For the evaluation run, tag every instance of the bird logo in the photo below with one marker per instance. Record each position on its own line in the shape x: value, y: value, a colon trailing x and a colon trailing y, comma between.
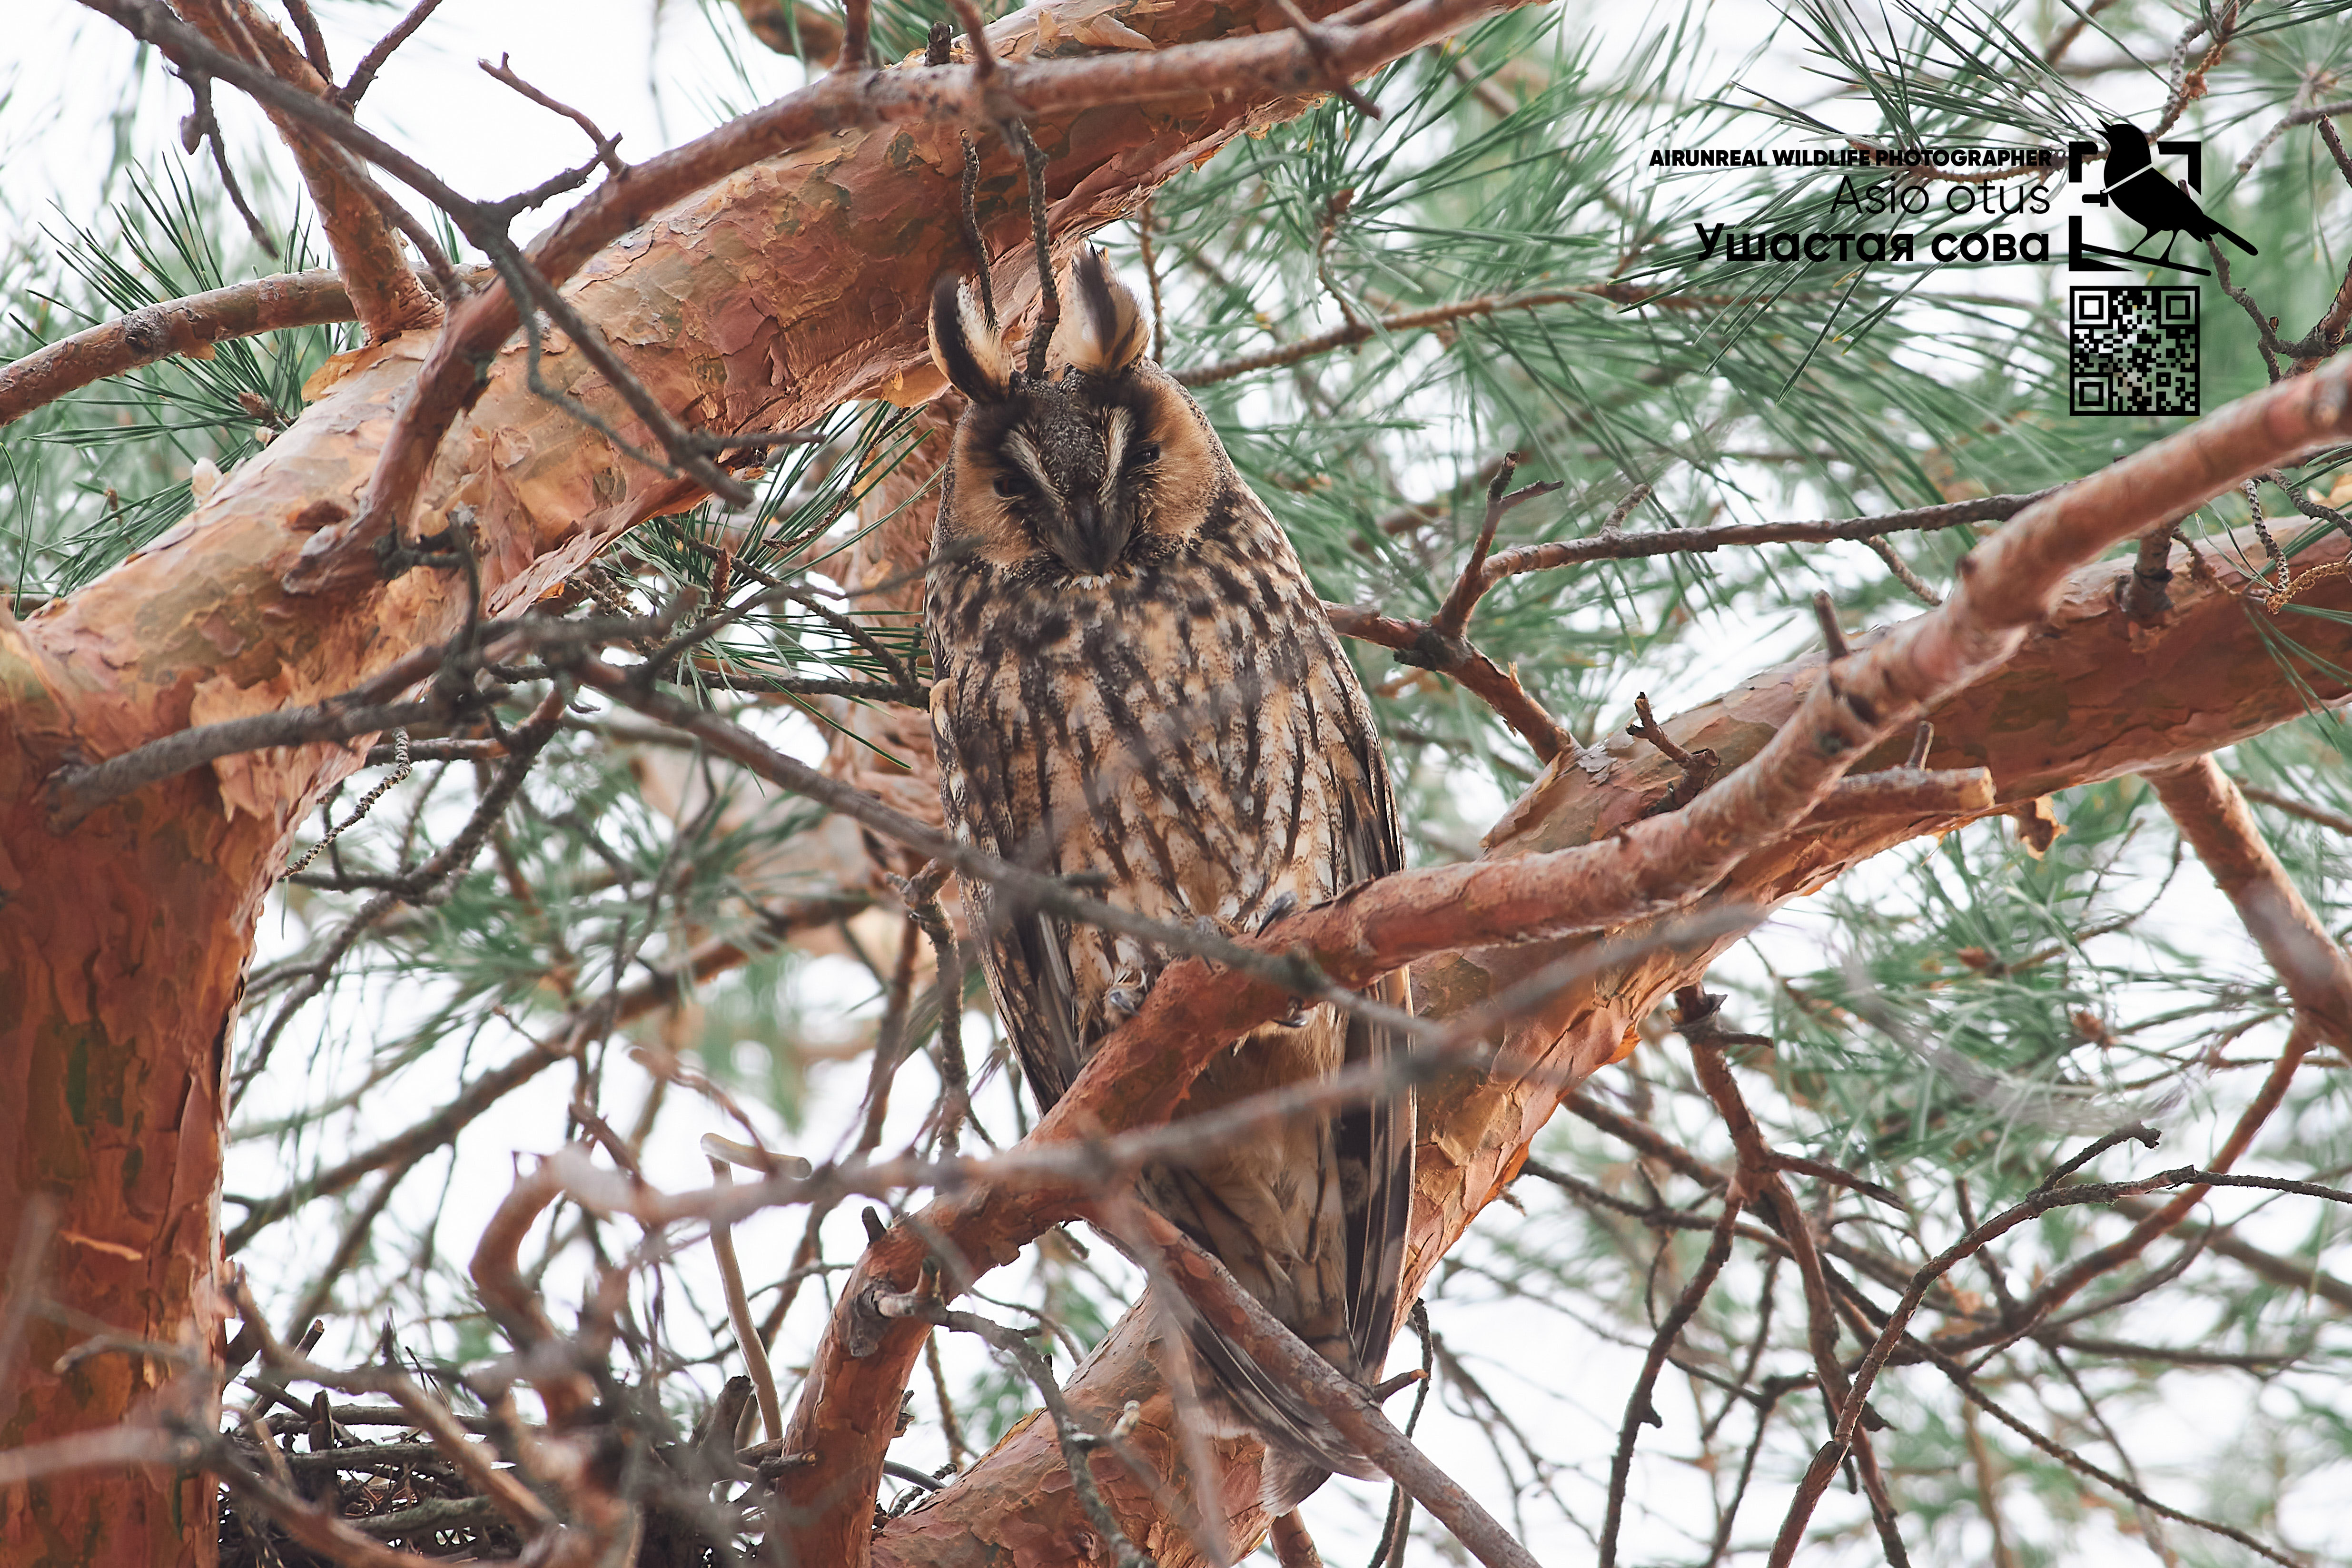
x: 2136, y: 189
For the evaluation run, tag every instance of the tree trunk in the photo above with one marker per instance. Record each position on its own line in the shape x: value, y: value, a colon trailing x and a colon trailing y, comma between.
x: 121, y: 952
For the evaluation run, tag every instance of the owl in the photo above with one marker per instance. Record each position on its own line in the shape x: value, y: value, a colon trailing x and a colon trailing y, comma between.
x: 1136, y: 682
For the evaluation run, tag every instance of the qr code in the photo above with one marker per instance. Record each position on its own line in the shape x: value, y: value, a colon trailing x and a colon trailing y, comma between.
x: 2132, y: 350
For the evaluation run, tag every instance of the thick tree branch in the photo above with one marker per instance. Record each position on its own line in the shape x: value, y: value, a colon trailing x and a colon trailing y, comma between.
x: 2211, y: 813
x: 2208, y: 658
x: 186, y: 326
x: 383, y: 287
x: 1645, y: 867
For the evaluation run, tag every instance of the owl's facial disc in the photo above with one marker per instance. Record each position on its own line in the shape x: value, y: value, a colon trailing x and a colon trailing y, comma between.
x: 1087, y: 476
x: 1067, y: 474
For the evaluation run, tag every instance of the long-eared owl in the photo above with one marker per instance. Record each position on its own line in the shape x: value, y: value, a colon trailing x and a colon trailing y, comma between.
x: 1136, y: 682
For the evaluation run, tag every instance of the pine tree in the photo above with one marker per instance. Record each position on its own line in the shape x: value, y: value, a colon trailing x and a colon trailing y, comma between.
x: 439, y: 729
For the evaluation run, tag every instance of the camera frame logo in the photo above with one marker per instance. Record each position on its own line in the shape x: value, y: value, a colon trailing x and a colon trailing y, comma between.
x: 2134, y: 348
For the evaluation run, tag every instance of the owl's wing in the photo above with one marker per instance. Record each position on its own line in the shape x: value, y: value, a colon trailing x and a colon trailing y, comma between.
x: 1037, y: 1000
x: 1372, y: 1146
x: 1025, y: 953
x: 1373, y: 1142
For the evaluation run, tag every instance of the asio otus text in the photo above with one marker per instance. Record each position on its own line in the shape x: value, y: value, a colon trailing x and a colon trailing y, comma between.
x: 1136, y: 682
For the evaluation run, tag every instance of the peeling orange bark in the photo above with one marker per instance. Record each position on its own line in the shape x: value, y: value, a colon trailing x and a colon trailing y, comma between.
x: 121, y: 954
x: 2092, y: 695
x: 761, y: 302
x: 387, y: 293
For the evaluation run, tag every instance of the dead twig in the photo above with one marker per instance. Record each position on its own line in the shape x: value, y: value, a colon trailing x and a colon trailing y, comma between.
x: 363, y: 74
x: 856, y: 36
x: 1612, y: 544
x: 1697, y: 767
x: 200, y: 128
x: 1245, y: 1322
x: 1078, y: 1444
x: 1826, y: 1459
x: 1698, y: 1019
x: 1049, y: 298
x: 1499, y: 688
x: 2334, y: 820
x: 1638, y: 1410
x: 605, y: 144
x: 1442, y: 643
x: 747, y: 1341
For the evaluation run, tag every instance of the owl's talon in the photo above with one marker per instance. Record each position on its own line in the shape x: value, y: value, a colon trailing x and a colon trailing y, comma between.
x: 1282, y: 904
x: 1123, y: 1001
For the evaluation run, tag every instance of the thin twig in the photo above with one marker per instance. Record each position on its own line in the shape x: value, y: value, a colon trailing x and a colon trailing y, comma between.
x: 1246, y: 1322
x: 1697, y: 767
x: 1303, y: 26
x: 1699, y: 1021
x: 201, y: 129
x: 314, y: 43
x: 856, y: 36
x: 975, y: 245
x: 363, y: 74
x: 1638, y: 1410
x: 1610, y: 544
x: 1077, y: 1443
x: 748, y: 1342
x: 2334, y: 820
x: 1049, y: 299
x: 1825, y: 1463
x: 603, y: 144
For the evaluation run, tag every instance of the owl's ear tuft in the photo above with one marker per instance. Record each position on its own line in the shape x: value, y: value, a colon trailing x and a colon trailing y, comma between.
x: 966, y: 345
x: 1101, y: 330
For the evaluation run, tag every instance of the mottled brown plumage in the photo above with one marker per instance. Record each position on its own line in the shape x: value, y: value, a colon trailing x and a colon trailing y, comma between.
x: 1137, y: 681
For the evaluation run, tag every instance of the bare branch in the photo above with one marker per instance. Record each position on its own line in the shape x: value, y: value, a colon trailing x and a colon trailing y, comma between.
x: 1639, y: 1411
x: 748, y: 1342
x: 603, y: 144
x: 1243, y: 1320
x: 2335, y: 820
x: 363, y: 74
x: 2213, y: 817
x: 1824, y: 1467
x: 186, y: 326
x: 353, y: 209
x: 1362, y: 329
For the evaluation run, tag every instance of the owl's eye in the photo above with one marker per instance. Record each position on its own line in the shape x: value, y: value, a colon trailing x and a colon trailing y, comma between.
x: 1012, y: 487
x: 1144, y: 452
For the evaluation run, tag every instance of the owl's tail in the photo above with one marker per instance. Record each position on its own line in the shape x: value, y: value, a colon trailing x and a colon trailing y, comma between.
x: 1309, y: 1218
x: 1302, y: 1449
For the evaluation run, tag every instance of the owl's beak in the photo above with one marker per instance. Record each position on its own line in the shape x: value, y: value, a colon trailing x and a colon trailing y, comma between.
x: 1093, y: 541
